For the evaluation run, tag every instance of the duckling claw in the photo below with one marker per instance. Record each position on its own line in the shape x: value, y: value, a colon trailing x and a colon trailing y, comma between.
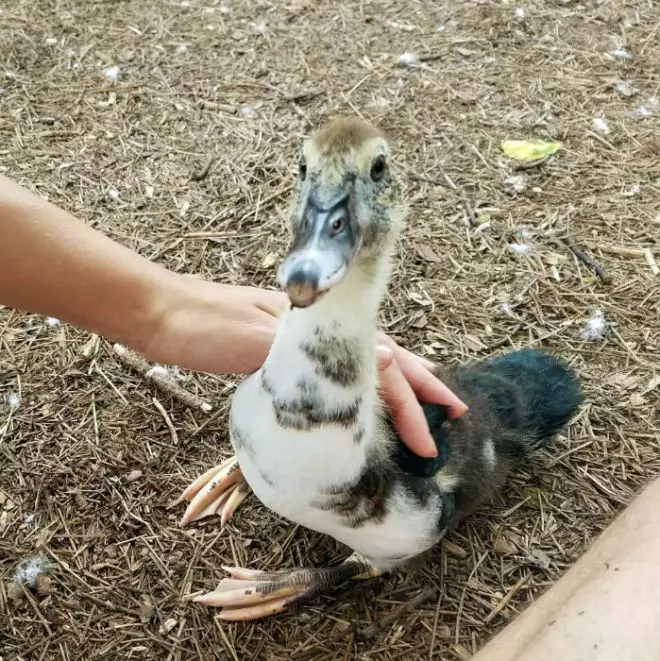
x: 220, y: 489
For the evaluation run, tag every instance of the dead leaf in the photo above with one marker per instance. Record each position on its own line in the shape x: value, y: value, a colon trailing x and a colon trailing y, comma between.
x: 420, y: 322
x: 427, y: 253
x: 473, y: 343
x: 15, y: 594
x: 462, y: 652
x: 146, y: 611
x: 504, y: 547
x: 653, y: 383
x: 540, y: 558
x: 465, y: 52
x: 419, y: 299
x: 624, y: 381
x: 534, y: 496
x: 553, y: 259
x: 269, y: 260
x: 43, y: 585
x: 454, y: 549
x: 637, y: 400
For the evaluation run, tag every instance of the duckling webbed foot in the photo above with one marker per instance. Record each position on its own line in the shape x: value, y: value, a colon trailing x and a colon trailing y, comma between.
x: 218, y: 491
x: 251, y: 595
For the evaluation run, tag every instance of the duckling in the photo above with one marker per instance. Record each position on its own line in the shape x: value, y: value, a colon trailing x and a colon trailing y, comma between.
x: 311, y: 436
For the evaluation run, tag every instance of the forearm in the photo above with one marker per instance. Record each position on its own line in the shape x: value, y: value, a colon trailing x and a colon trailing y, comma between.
x: 606, y: 607
x: 54, y: 264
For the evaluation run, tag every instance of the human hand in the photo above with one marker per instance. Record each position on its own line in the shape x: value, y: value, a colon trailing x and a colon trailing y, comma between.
x: 406, y: 379
x: 227, y: 329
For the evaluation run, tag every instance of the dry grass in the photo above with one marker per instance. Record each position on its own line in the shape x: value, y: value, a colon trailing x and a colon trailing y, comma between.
x: 90, y: 454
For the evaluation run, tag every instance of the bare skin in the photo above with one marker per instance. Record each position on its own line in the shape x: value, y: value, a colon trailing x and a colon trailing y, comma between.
x: 606, y: 607
x: 54, y: 264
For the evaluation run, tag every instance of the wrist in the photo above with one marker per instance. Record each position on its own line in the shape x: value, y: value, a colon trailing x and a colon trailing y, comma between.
x: 185, y: 318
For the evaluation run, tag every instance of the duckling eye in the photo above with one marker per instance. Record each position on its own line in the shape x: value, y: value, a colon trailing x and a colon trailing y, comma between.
x: 378, y: 168
x: 302, y: 169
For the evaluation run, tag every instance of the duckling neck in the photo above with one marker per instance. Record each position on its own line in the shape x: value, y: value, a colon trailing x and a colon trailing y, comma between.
x: 321, y: 373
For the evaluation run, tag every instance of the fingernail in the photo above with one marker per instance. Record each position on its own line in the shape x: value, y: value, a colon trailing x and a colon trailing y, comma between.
x: 384, y: 355
x: 457, y: 412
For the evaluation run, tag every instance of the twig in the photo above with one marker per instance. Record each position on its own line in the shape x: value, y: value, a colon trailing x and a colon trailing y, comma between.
x: 163, y: 382
x: 430, y: 180
x: 371, y: 631
x: 108, y: 605
x: 168, y: 421
x: 435, y: 626
x: 302, y: 96
x: 507, y: 597
x: 461, y: 602
x: 618, y: 250
x: 585, y: 259
x: 225, y: 640
x: 36, y: 609
x: 204, y: 172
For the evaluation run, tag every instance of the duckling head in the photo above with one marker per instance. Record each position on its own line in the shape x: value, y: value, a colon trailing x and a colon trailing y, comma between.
x: 347, y: 210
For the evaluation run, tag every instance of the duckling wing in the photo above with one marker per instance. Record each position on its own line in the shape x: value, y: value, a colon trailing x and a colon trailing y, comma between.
x: 518, y: 402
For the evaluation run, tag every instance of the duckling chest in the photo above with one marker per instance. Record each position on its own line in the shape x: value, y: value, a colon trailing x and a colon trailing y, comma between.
x: 310, y: 463
x: 291, y: 445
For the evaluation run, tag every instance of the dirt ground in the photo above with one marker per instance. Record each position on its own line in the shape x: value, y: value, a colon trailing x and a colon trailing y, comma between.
x: 87, y: 459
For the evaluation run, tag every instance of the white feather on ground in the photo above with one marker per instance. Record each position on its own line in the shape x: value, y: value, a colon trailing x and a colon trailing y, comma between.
x: 13, y: 400
x: 594, y: 329
x: 30, y: 569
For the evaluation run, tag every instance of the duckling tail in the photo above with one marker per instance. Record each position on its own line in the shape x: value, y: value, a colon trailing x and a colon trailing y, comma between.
x: 529, y: 391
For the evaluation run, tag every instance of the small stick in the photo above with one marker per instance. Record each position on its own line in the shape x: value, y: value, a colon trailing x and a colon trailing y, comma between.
x: 650, y: 260
x: 168, y: 421
x: 619, y: 250
x: 430, y: 180
x: 199, y: 175
x: 585, y: 259
x: 163, y: 382
x: 508, y: 597
x: 109, y: 605
x: 369, y: 632
x: 36, y: 609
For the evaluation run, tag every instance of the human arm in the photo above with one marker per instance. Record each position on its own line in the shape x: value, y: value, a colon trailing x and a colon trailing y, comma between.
x: 55, y: 264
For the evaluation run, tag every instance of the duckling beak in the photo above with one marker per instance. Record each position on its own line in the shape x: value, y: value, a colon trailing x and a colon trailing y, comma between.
x: 326, y: 241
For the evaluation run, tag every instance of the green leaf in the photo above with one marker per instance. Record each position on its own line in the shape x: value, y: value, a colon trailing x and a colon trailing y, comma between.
x: 529, y: 150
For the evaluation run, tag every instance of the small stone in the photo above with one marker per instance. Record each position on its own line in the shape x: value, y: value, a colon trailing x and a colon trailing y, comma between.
x: 168, y: 625
x: 43, y: 585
